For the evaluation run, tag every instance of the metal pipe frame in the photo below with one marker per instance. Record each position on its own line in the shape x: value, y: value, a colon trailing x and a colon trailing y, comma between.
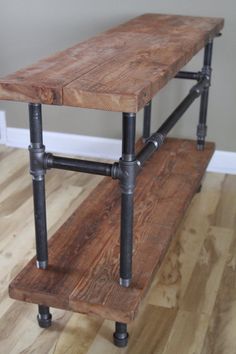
x: 147, y: 120
x: 36, y: 152
x: 44, y: 317
x: 125, y: 170
x: 127, y: 176
x: 154, y: 142
x: 65, y: 163
x: 127, y: 165
x: 189, y: 75
x: 206, y: 70
x: 120, y: 336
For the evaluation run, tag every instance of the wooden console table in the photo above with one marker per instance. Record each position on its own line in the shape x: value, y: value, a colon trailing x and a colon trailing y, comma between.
x: 93, y: 264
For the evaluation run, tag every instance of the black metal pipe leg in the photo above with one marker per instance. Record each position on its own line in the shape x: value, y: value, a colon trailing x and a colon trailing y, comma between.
x: 147, y: 120
x: 120, y: 336
x: 40, y: 222
x: 202, y: 126
x: 44, y: 317
x: 127, y: 181
x: 126, y: 239
x: 199, y: 188
x: 206, y: 70
x: 37, y: 170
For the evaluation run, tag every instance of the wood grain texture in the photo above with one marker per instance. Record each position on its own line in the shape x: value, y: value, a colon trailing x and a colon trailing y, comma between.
x: 173, y: 278
x: 158, y: 328
x: 148, y: 334
x: 220, y: 337
x: 118, y: 70
x: 83, y: 268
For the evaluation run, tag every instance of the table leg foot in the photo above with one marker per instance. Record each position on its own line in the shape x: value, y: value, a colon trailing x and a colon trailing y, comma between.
x: 199, y: 188
x: 120, y: 336
x: 44, y: 317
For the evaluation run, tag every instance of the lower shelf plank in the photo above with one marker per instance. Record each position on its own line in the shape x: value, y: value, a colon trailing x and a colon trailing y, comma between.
x: 83, y: 272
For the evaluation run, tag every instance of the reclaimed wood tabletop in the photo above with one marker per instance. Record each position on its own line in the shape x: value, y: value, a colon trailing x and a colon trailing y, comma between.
x: 118, y: 70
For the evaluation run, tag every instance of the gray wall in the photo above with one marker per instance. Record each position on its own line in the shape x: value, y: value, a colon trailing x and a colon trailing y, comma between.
x: 30, y: 30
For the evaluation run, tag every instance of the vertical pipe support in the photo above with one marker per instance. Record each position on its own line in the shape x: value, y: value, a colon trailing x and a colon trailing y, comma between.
x: 147, y: 120
x: 128, y: 171
x: 127, y: 176
x: 37, y: 170
x: 206, y: 71
x: 36, y: 152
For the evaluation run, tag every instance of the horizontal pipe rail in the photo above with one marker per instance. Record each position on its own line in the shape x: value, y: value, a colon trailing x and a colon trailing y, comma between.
x: 189, y: 75
x: 65, y: 163
x: 156, y: 140
x: 152, y: 144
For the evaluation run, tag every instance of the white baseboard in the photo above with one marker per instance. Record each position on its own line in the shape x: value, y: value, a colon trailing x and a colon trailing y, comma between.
x: 3, y: 127
x: 68, y: 144
x: 223, y: 162
x: 95, y: 147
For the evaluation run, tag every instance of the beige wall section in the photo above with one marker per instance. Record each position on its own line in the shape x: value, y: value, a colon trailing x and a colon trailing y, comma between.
x: 30, y: 30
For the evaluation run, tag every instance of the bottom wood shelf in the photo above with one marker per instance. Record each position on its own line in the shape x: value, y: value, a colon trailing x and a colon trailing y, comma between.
x: 83, y: 270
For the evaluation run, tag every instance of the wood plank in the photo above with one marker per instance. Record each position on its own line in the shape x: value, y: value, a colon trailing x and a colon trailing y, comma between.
x: 44, y: 81
x: 220, y: 336
x: 118, y: 70
x: 171, y: 281
x: 193, y: 318
x: 171, y: 24
x: 29, y: 338
x: 200, y: 294
x: 83, y: 267
x: 187, y: 334
x: 152, y: 328
x: 133, y: 79
x: 224, y: 215
x: 78, y: 335
x: 148, y: 334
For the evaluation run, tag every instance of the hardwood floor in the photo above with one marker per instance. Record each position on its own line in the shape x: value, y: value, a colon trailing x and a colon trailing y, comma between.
x: 191, y: 306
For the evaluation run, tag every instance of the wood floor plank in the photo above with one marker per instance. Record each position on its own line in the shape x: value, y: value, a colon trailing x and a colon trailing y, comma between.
x: 39, y: 341
x: 10, y: 168
x: 188, y: 333
x: 12, y: 321
x: 225, y: 214
x: 171, y: 281
x: 148, y: 339
x: 78, y: 335
x: 220, y: 337
x: 200, y: 294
